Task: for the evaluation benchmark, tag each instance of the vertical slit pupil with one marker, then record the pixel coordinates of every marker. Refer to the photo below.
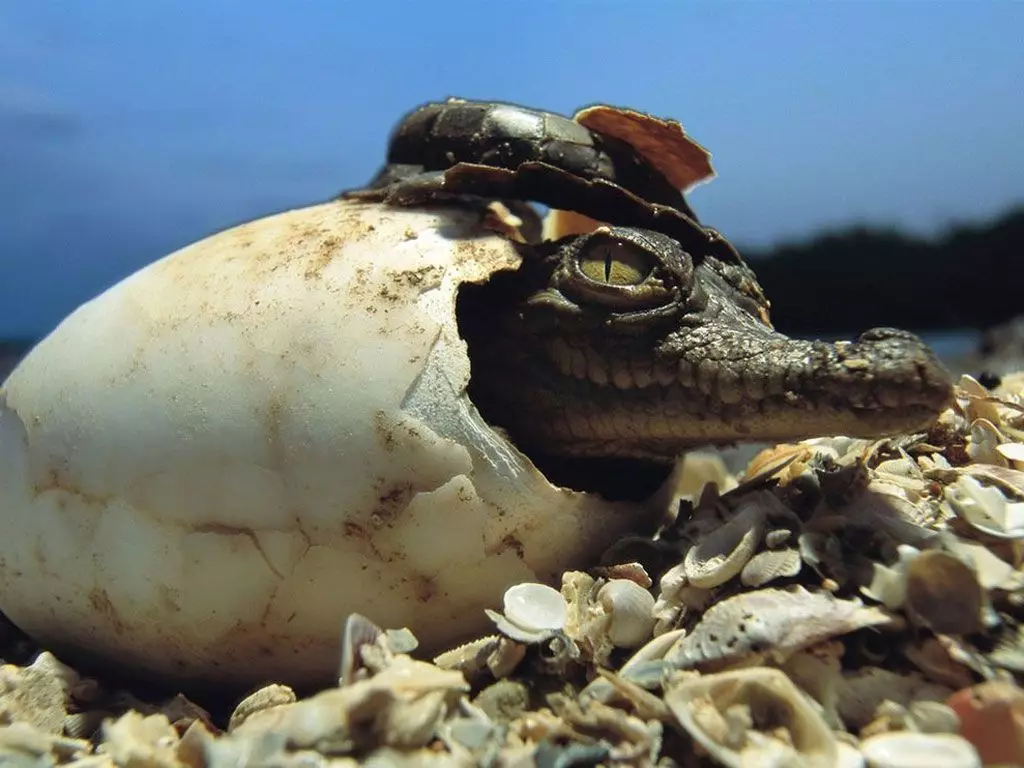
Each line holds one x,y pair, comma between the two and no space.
607,267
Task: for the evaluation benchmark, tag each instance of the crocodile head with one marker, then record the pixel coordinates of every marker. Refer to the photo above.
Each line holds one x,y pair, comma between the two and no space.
619,343
633,342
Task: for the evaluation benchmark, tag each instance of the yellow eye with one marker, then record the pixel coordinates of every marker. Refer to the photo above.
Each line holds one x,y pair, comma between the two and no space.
615,263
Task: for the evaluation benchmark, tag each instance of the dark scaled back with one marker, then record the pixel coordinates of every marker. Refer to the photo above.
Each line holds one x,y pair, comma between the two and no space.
436,137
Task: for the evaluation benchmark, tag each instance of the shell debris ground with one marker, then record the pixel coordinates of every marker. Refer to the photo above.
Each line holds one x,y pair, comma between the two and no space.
848,602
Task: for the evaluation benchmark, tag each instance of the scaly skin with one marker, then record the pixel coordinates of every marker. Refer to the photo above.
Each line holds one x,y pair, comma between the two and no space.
572,364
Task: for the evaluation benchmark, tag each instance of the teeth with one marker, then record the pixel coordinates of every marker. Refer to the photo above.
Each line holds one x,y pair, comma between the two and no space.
622,378
667,375
730,390
561,355
793,378
596,371
578,363
685,373
642,374
707,374
775,384
754,386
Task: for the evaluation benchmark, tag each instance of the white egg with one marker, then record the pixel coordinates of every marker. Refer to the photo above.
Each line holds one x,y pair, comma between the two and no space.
206,468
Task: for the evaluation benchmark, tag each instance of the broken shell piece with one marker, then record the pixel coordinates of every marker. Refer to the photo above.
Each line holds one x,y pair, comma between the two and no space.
932,658
753,716
907,749
769,621
776,538
719,556
889,582
944,594
356,632
985,508
630,611
932,717
136,740
862,691
984,443
1012,452
772,564
974,400
258,701
35,694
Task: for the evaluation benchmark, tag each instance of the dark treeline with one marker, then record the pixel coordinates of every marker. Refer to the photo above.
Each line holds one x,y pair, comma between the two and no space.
970,277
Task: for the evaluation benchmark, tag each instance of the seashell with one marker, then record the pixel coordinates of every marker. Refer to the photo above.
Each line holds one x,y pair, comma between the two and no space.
752,716
944,594
34,694
847,755
772,461
992,718
265,698
283,406
1011,480
83,725
503,701
862,691
983,444
975,401
772,564
1014,453
630,611
513,631
985,508
777,537
672,581
722,554
654,649
1008,652
136,740
932,659
889,582
932,717
356,632
533,613
535,607
769,621
819,675
468,658
635,572
823,552
991,571
907,749
505,657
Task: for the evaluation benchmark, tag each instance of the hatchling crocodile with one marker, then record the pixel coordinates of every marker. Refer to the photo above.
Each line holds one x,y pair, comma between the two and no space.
649,334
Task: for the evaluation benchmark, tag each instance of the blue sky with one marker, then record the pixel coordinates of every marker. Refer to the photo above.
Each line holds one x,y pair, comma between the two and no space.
129,128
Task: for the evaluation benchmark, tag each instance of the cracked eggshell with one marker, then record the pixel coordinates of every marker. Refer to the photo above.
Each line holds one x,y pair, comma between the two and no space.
206,468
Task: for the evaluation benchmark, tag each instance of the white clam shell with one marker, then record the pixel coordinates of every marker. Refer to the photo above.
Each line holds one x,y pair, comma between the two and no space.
907,749
206,468
536,607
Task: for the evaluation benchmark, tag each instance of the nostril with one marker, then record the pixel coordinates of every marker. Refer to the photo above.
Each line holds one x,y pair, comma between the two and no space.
888,334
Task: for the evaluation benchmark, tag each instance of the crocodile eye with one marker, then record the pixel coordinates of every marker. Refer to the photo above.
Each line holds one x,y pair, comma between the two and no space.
615,262
621,269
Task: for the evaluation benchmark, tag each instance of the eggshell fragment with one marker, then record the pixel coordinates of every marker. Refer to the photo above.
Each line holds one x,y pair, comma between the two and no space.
206,468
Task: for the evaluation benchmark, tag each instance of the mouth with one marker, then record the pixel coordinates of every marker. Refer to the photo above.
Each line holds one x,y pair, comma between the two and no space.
723,387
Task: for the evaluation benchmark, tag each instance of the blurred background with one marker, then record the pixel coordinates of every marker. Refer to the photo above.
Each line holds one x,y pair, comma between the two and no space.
870,155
